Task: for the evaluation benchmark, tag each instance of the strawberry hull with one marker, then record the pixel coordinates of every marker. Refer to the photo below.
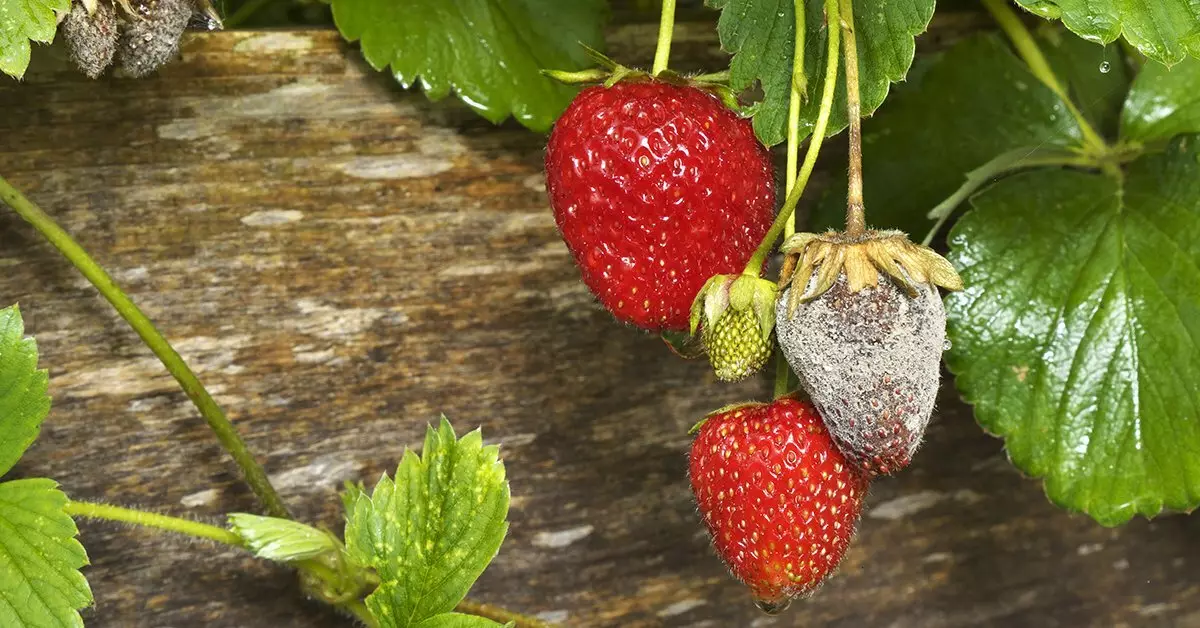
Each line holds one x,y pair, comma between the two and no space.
656,188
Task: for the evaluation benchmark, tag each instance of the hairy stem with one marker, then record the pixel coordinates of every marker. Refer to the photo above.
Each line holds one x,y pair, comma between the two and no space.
783,374
799,87
226,433
501,615
195,529
1027,47
814,145
856,220
186,527
666,28
359,610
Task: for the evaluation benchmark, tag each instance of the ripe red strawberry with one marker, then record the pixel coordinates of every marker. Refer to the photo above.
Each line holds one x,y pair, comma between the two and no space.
776,495
656,187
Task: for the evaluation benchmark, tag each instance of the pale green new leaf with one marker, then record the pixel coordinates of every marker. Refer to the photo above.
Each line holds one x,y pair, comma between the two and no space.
432,531
1164,30
40,582
22,21
761,34
459,620
490,53
1076,338
24,403
280,539
1163,102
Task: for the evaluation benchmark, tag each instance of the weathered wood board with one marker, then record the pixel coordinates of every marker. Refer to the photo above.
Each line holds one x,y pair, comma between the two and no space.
342,261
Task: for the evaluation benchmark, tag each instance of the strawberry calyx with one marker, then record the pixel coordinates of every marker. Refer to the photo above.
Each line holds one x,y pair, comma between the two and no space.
736,317
735,292
610,73
862,258
741,405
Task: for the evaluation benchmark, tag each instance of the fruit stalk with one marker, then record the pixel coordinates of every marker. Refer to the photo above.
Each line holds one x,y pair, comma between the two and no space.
1023,41
799,86
666,28
856,220
814,145
224,429
186,527
783,372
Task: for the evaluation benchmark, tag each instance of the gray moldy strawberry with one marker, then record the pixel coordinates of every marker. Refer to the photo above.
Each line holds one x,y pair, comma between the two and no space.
865,337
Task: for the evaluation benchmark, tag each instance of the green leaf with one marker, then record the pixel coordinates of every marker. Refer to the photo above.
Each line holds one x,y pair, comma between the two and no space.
1076,338
432,531
761,35
350,494
22,21
1164,30
1097,77
488,52
1163,103
24,403
40,582
459,620
958,111
280,539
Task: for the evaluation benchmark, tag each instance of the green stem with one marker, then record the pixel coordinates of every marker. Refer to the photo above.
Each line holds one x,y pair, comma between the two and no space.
783,374
498,614
359,610
245,11
814,145
88,510
226,433
666,28
799,87
856,219
1023,41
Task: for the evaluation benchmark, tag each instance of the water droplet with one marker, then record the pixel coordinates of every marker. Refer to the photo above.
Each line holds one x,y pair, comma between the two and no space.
947,345
1105,67
773,607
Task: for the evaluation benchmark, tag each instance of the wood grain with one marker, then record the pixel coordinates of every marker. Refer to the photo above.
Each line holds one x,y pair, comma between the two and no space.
341,261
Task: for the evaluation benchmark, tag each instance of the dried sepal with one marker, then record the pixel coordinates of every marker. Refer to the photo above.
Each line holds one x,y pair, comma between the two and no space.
205,17
861,259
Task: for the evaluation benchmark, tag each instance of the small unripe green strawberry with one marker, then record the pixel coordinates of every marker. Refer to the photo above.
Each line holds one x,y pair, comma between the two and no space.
862,325
776,495
735,344
736,317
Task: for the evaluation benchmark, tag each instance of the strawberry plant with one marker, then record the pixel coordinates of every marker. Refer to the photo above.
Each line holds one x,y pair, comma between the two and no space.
1054,162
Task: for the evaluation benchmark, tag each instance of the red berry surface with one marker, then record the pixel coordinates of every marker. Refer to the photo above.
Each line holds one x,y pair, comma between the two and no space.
776,495
655,188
